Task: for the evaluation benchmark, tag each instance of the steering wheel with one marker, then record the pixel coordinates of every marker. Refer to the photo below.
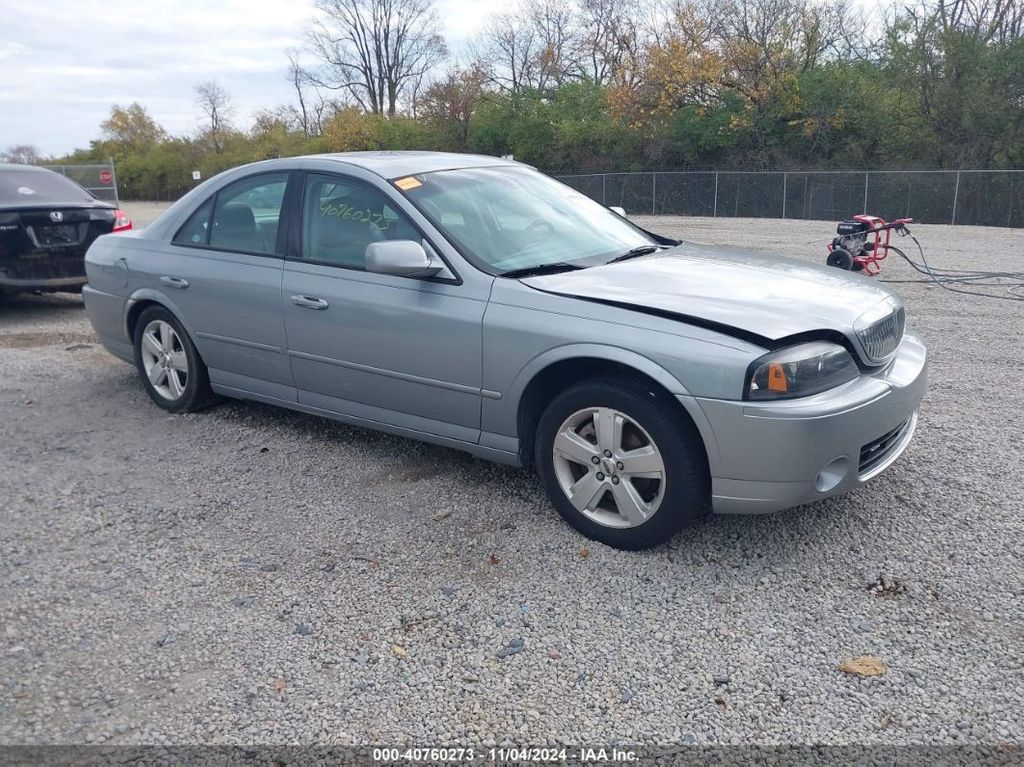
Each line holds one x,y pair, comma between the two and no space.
534,227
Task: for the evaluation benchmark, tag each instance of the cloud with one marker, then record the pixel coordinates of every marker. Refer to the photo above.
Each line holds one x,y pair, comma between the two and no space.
66,62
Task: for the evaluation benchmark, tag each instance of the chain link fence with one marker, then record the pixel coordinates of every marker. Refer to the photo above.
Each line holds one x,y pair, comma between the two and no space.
100,180
979,197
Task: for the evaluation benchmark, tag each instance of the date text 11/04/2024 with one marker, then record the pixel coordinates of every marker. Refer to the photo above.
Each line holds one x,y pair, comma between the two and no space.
552,755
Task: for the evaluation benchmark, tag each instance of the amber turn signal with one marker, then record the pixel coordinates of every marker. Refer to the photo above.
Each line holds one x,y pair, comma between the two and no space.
777,379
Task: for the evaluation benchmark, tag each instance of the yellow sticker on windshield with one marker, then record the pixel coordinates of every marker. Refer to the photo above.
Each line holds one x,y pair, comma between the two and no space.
407,183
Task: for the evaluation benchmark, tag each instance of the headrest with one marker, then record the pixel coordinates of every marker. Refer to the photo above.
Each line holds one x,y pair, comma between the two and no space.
237,216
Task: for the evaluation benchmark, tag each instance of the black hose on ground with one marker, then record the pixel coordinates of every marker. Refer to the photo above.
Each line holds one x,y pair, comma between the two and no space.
946,278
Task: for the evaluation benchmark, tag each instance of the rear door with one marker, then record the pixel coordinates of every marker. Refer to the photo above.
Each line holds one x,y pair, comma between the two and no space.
396,350
221,274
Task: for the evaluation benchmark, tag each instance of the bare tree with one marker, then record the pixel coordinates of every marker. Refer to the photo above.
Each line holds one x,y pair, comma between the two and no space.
297,77
609,40
554,24
761,40
551,42
507,48
312,107
999,21
452,100
215,103
376,50
21,154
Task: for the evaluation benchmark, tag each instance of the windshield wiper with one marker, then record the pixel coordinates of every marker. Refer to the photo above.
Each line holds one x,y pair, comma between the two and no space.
532,271
642,250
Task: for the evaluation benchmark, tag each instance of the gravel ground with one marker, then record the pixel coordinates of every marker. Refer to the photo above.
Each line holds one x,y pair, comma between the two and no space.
250,575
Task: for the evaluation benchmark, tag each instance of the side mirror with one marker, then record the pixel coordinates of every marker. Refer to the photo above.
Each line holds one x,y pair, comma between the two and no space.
617,209
404,258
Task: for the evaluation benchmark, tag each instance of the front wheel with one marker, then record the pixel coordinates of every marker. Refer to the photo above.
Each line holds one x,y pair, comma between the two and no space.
622,463
171,369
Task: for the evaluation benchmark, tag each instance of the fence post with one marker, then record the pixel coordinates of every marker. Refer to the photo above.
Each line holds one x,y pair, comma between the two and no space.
654,194
714,211
865,192
604,188
956,195
113,181
785,179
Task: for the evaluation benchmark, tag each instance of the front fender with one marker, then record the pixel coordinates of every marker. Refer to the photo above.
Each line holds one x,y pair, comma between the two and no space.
610,353
500,416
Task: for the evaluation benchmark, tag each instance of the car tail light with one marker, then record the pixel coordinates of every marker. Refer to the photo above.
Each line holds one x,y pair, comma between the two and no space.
122,223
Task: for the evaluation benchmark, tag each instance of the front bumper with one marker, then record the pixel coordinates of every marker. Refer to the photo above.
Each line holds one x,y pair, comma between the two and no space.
769,456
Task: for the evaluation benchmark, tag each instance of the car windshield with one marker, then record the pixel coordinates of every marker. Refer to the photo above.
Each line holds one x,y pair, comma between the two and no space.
511,218
19,187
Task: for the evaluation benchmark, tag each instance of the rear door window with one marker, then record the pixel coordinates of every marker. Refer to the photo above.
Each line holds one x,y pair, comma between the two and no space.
196,230
246,217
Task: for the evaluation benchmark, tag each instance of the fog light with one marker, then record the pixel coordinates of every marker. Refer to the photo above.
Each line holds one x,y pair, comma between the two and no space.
833,473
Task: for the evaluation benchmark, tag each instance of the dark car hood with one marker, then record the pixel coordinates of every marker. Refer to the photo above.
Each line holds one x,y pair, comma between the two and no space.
765,296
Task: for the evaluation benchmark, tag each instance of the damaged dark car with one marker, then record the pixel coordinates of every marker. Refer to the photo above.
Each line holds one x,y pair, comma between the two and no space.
47,223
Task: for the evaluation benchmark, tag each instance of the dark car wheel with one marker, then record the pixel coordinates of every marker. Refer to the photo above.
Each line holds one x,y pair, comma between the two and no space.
169,365
622,464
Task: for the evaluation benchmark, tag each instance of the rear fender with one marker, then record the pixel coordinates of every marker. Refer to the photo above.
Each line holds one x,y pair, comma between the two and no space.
155,296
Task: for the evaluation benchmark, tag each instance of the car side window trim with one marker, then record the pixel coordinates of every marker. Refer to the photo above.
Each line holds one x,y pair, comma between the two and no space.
282,238
177,238
294,253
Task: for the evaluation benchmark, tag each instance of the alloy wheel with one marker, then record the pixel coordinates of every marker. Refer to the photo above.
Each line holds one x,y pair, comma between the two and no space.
609,467
164,360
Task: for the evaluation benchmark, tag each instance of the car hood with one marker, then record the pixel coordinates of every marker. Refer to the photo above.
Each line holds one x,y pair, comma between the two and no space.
766,296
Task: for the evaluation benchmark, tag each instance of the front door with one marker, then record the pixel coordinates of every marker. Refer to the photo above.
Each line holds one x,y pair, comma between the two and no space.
394,350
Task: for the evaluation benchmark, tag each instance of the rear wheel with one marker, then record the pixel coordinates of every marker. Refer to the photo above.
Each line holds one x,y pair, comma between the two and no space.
621,463
171,369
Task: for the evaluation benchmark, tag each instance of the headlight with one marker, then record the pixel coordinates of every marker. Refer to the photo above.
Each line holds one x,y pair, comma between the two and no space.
800,371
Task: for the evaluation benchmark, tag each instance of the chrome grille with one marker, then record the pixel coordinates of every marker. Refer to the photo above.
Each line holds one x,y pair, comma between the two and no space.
881,339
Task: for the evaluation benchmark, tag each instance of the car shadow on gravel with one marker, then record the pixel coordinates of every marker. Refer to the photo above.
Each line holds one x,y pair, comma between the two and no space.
25,304
407,460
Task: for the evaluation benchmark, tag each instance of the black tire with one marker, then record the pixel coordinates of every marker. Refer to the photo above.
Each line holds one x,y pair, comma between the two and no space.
686,496
197,394
840,258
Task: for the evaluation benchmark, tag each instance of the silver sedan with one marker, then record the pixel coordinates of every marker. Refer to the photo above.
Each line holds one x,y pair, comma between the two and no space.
478,304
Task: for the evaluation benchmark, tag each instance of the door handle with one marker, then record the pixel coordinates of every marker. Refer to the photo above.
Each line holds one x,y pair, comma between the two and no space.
174,282
309,302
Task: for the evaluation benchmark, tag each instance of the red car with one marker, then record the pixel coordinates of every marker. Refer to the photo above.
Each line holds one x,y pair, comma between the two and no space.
47,222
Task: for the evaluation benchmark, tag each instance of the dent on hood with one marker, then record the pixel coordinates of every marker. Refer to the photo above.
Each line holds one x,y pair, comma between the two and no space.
756,298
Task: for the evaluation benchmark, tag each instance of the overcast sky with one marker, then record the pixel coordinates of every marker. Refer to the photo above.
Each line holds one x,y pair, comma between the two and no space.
64,63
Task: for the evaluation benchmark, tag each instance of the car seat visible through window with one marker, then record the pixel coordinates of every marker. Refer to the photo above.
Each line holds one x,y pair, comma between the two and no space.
234,227
339,232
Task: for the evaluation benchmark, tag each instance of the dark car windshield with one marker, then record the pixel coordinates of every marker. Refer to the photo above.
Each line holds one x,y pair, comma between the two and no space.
25,187
509,218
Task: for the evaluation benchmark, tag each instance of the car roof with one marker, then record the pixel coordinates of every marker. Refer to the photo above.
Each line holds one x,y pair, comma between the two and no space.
387,165
31,168
397,164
